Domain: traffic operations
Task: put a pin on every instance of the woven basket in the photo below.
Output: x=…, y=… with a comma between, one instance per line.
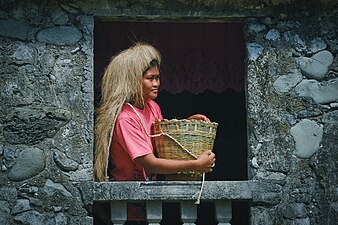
x=183, y=140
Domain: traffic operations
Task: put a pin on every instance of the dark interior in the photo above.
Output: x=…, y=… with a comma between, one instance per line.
x=202, y=71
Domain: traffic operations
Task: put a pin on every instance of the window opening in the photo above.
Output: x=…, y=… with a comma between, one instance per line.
x=202, y=71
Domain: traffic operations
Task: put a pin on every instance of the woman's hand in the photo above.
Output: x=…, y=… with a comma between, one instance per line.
x=199, y=117
x=206, y=161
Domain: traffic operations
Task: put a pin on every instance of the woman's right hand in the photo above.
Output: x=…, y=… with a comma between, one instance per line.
x=206, y=161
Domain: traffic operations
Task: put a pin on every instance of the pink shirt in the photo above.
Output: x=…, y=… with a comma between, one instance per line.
x=130, y=141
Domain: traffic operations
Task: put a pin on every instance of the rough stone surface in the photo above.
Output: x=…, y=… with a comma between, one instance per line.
x=254, y=51
x=295, y=210
x=315, y=45
x=285, y=83
x=21, y=205
x=52, y=188
x=29, y=163
x=8, y=156
x=61, y=35
x=31, y=126
x=308, y=135
x=65, y=163
x=14, y=29
x=316, y=67
x=272, y=35
x=321, y=92
x=46, y=95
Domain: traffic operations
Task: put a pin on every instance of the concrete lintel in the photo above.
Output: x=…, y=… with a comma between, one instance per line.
x=184, y=190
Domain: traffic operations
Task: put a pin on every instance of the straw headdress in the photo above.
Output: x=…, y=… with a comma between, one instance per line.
x=121, y=83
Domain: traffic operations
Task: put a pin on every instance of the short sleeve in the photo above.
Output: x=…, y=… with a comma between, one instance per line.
x=132, y=138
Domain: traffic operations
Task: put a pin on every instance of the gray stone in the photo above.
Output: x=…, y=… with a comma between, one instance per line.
x=294, y=40
x=324, y=57
x=333, y=213
x=330, y=118
x=254, y=163
x=33, y=125
x=69, y=7
x=334, y=105
x=307, y=135
x=284, y=83
x=14, y=29
x=9, y=156
x=316, y=45
x=256, y=28
x=62, y=35
x=4, y=218
x=60, y=219
x=272, y=35
x=301, y=221
x=261, y=216
x=8, y=194
x=294, y=210
x=308, y=112
x=254, y=51
x=317, y=66
x=288, y=24
x=267, y=20
x=23, y=54
x=59, y=17
x=33, y=189
x=21, y=205
x=52, y=188
x=29, y=163
x=31, y=217
x=88, y=220
x=322, y=93
x=4, y=207
x=86, y=190
x=312, y=68
x=271, y=176
x=82, y=174
x=65, y=163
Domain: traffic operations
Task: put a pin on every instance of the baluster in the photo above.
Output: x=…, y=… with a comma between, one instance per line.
x=118, y=211
x=154, y=212
x=188, y=212
x=223, y=212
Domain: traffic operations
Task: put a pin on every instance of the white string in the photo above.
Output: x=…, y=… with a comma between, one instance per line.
x=197, y=202
x=162, y=133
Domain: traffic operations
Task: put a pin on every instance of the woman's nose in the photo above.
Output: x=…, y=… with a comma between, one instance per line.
x=156, y=82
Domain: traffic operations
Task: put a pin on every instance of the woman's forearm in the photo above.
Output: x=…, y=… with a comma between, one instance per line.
x=168, y=166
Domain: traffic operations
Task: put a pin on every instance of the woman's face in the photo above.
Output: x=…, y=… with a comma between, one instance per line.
x=151, y=83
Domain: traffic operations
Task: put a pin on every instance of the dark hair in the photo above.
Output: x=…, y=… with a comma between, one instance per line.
x=152, y=64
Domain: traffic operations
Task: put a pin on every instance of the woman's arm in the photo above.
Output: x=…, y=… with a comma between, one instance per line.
x=204, y=163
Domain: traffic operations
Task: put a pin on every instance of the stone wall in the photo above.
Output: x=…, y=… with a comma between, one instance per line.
x=292, y=114
x=46, y=113
x=46, y=94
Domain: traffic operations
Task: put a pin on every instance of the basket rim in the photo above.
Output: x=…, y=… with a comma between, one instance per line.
x=166, y=121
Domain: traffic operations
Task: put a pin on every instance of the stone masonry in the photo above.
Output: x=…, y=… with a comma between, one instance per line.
x=46, y=95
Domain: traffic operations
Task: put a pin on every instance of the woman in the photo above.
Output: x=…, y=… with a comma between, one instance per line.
x=124, y=118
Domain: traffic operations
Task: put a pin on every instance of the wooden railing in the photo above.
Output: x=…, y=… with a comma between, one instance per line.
x=186, y=193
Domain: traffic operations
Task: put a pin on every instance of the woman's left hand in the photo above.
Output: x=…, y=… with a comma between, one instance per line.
x=199, y=117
